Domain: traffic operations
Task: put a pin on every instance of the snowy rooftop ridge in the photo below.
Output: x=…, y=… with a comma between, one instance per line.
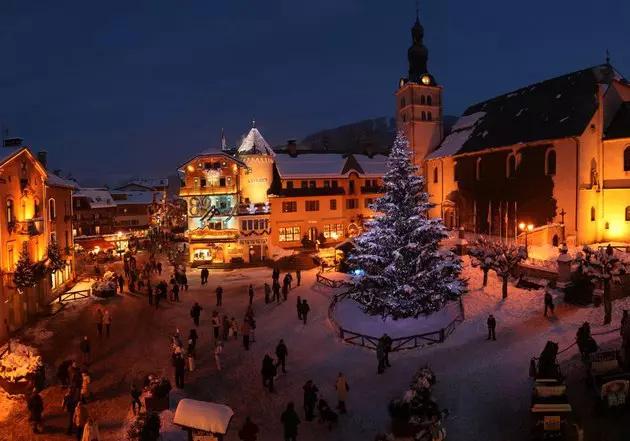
x=254, y=144
x=97, y=197
x=468, y=121
x=56, y=181
x=135, y=197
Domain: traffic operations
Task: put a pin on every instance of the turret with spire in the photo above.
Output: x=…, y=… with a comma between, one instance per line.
x=418, y=54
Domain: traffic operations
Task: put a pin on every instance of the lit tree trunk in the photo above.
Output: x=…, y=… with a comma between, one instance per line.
x=485, y=276
x=505, y=286
x=607, y=303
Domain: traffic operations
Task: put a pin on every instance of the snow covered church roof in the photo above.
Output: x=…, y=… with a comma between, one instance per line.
x=557, y=108
x=254, y=144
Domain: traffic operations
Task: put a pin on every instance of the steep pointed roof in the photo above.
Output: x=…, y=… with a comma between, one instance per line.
x=255, y=144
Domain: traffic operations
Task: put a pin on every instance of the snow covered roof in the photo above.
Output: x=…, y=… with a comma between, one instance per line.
x=56, y=181
x=556, y=108
x=151, y=182
x=7, y=153
x=135, y=197
x=310, y=165
x=372, y=166
x=201, y=415
x=211, y=154
x=97, y=197
x=255, y=144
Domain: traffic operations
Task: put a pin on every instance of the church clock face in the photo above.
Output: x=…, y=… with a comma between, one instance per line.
x=426, y=80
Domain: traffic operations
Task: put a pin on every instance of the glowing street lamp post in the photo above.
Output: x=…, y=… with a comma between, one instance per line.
x=526, y=229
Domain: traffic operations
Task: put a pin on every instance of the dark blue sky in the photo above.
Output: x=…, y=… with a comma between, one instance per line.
x=115, y=88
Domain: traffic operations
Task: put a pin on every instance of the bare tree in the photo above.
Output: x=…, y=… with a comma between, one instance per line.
x=497, y=257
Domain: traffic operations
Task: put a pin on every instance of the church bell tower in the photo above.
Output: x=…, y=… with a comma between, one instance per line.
x=419, y=100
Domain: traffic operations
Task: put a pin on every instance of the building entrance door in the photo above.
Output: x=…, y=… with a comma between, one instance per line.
x=312, y=234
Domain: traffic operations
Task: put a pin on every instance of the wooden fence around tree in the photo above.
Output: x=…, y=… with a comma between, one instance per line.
x=399, y=343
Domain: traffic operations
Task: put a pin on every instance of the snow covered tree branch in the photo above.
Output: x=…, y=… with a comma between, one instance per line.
x=404, y=272
x=497, y=257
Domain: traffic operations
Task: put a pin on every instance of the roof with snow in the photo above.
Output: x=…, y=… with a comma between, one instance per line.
x=211, y=154
x=557, y=108
x=56, y=181
x=310, y=165
x=620, y=125
x=372, y=165
x=135, y=197
x=97, y=197
x=254, y=144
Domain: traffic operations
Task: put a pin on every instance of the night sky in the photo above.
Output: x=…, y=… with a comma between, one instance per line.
x=117, y=89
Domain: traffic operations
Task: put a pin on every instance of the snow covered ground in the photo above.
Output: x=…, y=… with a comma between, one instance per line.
x=484, y=383
x=350, y=316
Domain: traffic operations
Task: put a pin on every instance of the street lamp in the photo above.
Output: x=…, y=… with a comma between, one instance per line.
x=526, y=229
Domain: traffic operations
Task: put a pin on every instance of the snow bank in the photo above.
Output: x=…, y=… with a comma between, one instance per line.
x=22, y=360
x=349, y=315
x=168, y=430
x=278, y=253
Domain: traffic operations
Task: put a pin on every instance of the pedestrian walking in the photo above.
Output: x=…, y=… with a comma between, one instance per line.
x=108, y=323
x=310, y=399
x=225, y=327
x=387, y=348
x=218, y=348
x=290, y=421
x=268, y=372
x=90, y=431
x=305, y=310
x=298, y=276
x=36, y=409
x=216, y=324
x=86, y=379
x=234, y=328
x=159, y=268
x=85, y=349
x=250, y=291
x=492, y=325
x=80, y=418
x=135, y=394
x=276, y=292
x=192, y=338
x=252, y=328
x=68, y=405
x=281, y=353
x=289, y=277
x=121, y=283
x=195, y=313
x=299, y=307
x=380, y=357
x=548, y=302
x=245, y=333
x=285, y=291
x=76, y=381
x=342, y=392
x=99, y=323
x=249, y=431
x=219, y=292
x=180, y=370
x=267, y=293
x=176, y=292
x=185, y=281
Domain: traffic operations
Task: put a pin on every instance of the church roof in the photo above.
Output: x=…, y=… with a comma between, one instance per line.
x=557, y=108
x=254, y=144
x=620, y=125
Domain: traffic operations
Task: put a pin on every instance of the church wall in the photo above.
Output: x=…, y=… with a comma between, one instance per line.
x=614, y=174
x=443, y=188
x=564, y=188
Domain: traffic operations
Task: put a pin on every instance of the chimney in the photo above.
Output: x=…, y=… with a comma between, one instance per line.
x=41, y=157
x=292, y=147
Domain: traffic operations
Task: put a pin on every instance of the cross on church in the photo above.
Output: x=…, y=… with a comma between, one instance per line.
x=562, y=213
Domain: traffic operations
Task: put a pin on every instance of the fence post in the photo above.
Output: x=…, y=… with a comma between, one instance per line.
x=442, y=335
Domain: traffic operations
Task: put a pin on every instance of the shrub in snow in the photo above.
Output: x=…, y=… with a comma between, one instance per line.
x=404, y=272
x=497, y=257
x=145, y=428
x=158, y=387
x=599, y=267
x=22, y=362
x=105, y=287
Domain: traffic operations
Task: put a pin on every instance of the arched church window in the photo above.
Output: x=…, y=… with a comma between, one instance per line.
x=422, y=99
x=628, y=213
x=428, y=100
x=592, y=214
x=424, y=116
x=510, y=167
x=478, y=169
x=429, y=116
x=626, y=159
x=435, y=175
x=550, y=162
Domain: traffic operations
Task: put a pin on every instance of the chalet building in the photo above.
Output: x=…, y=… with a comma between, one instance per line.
x=37, y=210
x=145, y=184
x=94, y=212
x=554, y=154
x=135, y=209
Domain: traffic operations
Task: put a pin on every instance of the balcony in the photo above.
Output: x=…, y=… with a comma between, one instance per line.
x=253, y=209
x=372, y=190
x=30, y=227
x=207, y=191
x=212, y=235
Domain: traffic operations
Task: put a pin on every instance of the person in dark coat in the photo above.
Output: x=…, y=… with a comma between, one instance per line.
x=250, y=291
x=219, y=295
x=249, y=431
x=387, y=348
x=281, y=353
x=298, y=276
x=63, y=372
x=68, y=405
x=305, y=310
x=380, y=357
x=285, y=292
x=310, y=399
x=85, y=349
x=195, y=312
x=192, y=336
x=135, y=398
x=609, y=250
x=185, y=281
x=76, y=381
x=225, y=325
x=492, y=325
x=267, y=293
x=268, y=372
x=180, y=370
x=159, y=268
x=290, y=421
x=121, y=283
x=36, y=409
x=276, y=292
x=548, y=303
x=299, y=308
x=176, y=292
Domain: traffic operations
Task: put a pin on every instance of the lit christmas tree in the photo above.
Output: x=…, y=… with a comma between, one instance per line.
x=403, y=271
x=55, y=262
x=24, y=276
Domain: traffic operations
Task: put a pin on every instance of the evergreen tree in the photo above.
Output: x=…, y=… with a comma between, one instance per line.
x=404, y=273
x=55, y=262
x=24, y=276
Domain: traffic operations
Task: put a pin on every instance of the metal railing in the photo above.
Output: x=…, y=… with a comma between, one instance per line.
x=329, y=282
